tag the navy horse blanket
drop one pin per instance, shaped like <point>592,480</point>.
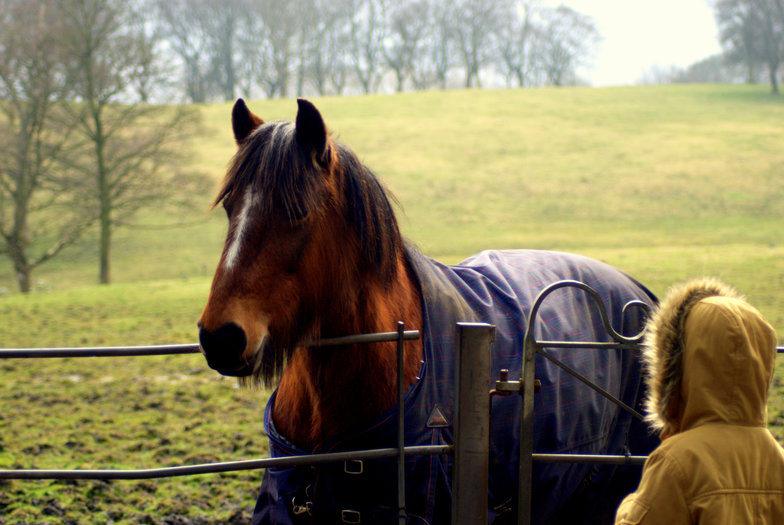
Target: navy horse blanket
<point>496,287</point>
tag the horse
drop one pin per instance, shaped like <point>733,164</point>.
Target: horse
<point>314,251</point>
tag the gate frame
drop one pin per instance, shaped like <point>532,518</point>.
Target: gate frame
<point>532,347</point>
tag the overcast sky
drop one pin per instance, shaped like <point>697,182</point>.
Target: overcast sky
<point>640,34</point>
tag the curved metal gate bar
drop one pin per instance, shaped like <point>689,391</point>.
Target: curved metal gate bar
<point>188,348</point>
<point>589,458</point>
<point>531,347</point>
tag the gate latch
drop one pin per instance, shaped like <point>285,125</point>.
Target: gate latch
<point>505,387</point>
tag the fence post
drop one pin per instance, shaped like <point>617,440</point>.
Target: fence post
<point>472,423</point>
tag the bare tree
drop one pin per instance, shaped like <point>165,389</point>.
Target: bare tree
<point>127,145</point>
<point>204,34</point>
<point>432,63</point>
<point>279,24</point>
<point>150,63</point>
<point>39,212</point>
<point>517,42</point>
<point>739,33</point>
<point>222,26</point>
<point>772,17</point>
<point>339,59</point>
<point>282,47</point>
<point>752,34</point>
<point>569,38</point>
<point>324,45</point>
<point>368,29</point>
<point>474,30</point>
<point>184,26</point>
<point>252,50</point>
<point>408,22</point>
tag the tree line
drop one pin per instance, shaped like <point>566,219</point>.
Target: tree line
<point>327,47</point>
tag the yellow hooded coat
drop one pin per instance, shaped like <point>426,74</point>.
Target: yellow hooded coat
<point>709,358</point>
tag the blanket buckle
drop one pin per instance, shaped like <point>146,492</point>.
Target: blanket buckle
<point>301,509</point>
<point>353,466</point>
<point>350,516</point>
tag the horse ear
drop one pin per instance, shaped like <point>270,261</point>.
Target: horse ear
<point>243,121</point>
<point>311,130</point>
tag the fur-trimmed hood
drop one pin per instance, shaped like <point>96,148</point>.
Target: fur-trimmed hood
<point>709,358</point>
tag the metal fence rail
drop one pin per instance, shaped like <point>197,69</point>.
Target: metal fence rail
<point>226,466</point>
<point>589,458</point>
<point>100,351</point>
<point>187,348</point>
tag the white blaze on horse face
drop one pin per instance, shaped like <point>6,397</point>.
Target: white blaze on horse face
<point>239,229</point>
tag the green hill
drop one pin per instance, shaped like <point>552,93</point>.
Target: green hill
<point>665,182</point>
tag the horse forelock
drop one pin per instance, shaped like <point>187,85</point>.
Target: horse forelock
<point>280,173</point>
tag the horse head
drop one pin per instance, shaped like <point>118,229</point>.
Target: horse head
<point>306,218</point>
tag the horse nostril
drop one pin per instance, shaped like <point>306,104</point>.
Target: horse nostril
<point>224,347</point>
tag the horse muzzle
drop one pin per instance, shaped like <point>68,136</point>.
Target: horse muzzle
<point>224,349</point>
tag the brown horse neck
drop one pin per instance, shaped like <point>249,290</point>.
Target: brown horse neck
<point>326,392</point>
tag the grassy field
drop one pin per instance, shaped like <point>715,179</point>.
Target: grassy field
<point>665,182</point>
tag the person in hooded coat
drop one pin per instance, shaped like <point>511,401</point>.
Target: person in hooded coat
<point>709,361</point>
